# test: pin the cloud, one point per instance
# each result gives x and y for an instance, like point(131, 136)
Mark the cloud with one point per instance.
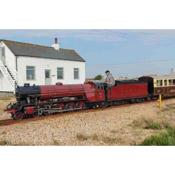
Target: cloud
point(96, 35)
point(110, 35)
point(152, 37)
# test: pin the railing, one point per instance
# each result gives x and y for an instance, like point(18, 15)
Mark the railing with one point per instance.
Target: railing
point(7, 75)
point(16, 75)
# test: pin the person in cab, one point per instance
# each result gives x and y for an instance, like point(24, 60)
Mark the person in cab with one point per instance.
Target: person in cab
point(109, 79)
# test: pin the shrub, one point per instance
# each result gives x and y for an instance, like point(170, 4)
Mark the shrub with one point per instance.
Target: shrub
point(146, 124)
point(152, 125)
point(164, 138)
point(98, 77)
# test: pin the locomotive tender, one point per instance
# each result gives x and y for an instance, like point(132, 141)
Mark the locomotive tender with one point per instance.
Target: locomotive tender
point(48, 99)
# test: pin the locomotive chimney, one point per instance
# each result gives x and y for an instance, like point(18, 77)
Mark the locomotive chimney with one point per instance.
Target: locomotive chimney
point(56, 45)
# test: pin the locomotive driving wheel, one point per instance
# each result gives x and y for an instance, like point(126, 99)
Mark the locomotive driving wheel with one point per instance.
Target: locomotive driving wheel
point(18, 116)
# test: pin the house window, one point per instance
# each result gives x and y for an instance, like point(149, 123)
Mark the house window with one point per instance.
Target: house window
point(76, 73)
point(60, 73)
point(2, 54)
point(30, 73)
point(2, 51)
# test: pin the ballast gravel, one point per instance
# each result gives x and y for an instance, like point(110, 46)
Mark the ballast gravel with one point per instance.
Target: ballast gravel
point(110, 126)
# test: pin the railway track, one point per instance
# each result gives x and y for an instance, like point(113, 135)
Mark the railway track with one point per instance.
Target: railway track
point(7, 122)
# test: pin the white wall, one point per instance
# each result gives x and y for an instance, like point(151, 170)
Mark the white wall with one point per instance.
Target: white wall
point(10, 60)
point(9, 57)
point(42, 63)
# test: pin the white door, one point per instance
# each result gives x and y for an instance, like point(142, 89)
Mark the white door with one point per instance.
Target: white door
point(48, 79)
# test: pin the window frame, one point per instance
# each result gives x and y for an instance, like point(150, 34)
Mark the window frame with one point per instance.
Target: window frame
point(34, 78)
point(76, 68)
point(62, 73)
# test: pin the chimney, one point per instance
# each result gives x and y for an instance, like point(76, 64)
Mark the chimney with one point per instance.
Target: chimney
point(56, 45)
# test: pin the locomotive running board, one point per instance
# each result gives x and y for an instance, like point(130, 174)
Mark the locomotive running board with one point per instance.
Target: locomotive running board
point(52, 111)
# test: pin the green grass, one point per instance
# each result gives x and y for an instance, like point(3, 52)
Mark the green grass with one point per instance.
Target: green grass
point(164, 138)
point(147, 124)
point(152, 125)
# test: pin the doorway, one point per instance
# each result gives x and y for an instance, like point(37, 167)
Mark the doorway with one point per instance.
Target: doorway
point(48, 80)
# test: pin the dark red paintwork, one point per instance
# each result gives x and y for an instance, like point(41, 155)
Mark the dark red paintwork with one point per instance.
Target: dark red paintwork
point(55, 91)
point(29, 110)
point(93, 94)
point(88, 91)
point(128, 91)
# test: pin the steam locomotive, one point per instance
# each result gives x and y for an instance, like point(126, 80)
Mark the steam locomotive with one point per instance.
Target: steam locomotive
point(49, 99)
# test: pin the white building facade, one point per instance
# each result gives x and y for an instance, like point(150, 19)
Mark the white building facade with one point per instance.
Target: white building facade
point(22, 63)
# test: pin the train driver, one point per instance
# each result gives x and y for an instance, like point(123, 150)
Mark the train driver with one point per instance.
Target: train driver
point(109, 79)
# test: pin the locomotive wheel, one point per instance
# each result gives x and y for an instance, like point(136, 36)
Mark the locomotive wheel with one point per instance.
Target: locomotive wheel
point(18, 116)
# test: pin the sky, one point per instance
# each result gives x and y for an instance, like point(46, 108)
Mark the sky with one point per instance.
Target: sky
point(128, 53)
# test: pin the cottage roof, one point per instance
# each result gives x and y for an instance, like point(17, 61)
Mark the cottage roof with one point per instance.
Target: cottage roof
point(34, 50)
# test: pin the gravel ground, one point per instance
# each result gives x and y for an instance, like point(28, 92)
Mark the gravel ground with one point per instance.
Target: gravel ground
point(4, 101)
point(110, 126)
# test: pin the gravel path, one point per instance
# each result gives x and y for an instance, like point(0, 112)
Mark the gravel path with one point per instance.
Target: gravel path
point(111, 126)
point(3, 103)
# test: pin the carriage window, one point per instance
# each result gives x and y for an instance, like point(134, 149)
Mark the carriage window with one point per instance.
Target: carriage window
point(170, 82)
point(159, 82)
point(174, 82)
point(165, 82)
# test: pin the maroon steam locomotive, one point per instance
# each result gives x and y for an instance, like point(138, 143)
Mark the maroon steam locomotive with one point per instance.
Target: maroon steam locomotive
point(43, 100)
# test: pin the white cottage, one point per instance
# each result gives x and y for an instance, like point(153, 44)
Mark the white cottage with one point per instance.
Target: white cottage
point(22, 63)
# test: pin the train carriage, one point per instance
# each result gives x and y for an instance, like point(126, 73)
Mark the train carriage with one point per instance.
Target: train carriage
point(164, 85)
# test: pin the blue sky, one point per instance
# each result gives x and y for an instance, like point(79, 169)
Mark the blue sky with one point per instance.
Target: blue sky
point(125, 52)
